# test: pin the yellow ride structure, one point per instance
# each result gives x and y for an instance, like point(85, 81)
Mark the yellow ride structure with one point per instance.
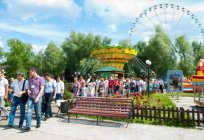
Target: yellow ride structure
point(114, 56)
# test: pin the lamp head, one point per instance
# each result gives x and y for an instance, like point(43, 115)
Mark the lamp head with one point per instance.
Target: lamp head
point(148, 62)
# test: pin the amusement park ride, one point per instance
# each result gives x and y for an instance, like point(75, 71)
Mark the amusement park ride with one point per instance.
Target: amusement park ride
point(198, 83)
point(114, 59)
point(115, 56)
point(172, 18)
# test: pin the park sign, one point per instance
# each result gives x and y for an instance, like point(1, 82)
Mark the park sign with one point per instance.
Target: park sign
point(175, 75)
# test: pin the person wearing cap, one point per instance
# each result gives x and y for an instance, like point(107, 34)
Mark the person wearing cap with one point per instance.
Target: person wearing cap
point(19, 86)
point(3, 93)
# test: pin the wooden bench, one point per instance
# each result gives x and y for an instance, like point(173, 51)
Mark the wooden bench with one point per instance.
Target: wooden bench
point(103, 107)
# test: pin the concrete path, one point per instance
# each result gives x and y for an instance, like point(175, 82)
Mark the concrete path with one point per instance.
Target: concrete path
point(80, 129)
point(185, 102)
point(86, 129)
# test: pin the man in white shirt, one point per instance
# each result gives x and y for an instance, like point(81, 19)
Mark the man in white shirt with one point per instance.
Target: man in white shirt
point(19, 86)
point(59, 89)
point(3, 93)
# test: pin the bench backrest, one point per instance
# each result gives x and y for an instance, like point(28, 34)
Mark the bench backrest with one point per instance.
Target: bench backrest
point(104, 104)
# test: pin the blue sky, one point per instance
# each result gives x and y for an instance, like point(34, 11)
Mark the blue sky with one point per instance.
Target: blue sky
point(39, 21)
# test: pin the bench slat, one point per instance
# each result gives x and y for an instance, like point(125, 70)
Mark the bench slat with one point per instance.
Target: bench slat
point(104, 109)
point(107, 107)
point(104, 106)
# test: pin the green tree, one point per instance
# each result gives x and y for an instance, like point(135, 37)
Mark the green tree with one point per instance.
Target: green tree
point(198, 51)
point(78, 47)
point(185, 56)
point(53, 62)
point(124, 43)
point(160, 52)
point(106, 41)
point(19, 57)
point(140, 46)
point(38, 62)
point(89, 66)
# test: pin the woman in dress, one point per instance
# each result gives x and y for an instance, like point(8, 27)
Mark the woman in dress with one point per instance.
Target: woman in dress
point(75, 88)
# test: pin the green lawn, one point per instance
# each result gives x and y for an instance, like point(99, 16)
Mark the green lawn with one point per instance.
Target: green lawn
point(182, 94)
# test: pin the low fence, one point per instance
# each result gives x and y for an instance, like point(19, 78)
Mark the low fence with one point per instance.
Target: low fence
point(175, 115)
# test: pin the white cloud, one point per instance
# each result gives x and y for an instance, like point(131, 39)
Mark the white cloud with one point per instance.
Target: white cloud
point(1, 44)
point(116, 11)
point(113, 27)
point(44, 31)
point(196, 8)
point(40, 9)
point(37, 48)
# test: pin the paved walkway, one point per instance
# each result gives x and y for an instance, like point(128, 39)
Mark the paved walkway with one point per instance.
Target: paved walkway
point(80, 129)
point(185, 102)
point(84, 129)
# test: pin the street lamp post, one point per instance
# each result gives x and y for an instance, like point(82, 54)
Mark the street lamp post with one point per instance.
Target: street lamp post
point(148, 62)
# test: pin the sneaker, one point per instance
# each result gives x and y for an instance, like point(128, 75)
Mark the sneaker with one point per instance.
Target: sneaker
point(10, 126)
point(45, 119)
point(20, 126)
point(38, 126)
point(27, 128)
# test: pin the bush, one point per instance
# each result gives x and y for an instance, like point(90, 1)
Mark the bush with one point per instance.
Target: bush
point(67, 94)
point(7, 104)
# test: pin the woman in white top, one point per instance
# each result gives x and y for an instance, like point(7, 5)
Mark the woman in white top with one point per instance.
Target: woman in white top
point(91, 87)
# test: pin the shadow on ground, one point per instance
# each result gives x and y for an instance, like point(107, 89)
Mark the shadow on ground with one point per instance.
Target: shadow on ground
point(86, 121)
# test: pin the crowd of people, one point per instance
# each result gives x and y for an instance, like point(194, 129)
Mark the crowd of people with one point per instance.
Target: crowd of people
point(101, 87)
point(37, 92)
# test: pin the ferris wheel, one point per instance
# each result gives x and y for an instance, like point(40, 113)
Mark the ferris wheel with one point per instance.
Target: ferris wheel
point(174, 19)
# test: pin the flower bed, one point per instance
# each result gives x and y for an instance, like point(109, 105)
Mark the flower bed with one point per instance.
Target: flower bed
point(155, 100)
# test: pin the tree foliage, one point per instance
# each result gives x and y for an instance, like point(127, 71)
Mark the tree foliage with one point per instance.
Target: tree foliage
point(185, 56)
point(198, 50)
point(159, 51)
point(74, 55)
point(78, 47)
point(19, 57)
point(53, 62)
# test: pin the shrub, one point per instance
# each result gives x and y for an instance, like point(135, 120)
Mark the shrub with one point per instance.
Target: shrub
point(67, 94)
point(7, 104)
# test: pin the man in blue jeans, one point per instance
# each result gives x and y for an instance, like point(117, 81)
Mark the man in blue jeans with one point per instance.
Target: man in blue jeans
point(18, 87)
point(35, 90)
point(49, 90)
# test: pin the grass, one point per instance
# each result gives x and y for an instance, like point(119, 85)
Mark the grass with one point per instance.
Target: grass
point(187, 94)
point(166, 123)
point(182, 94)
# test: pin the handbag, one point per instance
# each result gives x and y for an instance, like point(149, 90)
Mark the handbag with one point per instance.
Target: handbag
point(64, 107)
point(24, 97)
